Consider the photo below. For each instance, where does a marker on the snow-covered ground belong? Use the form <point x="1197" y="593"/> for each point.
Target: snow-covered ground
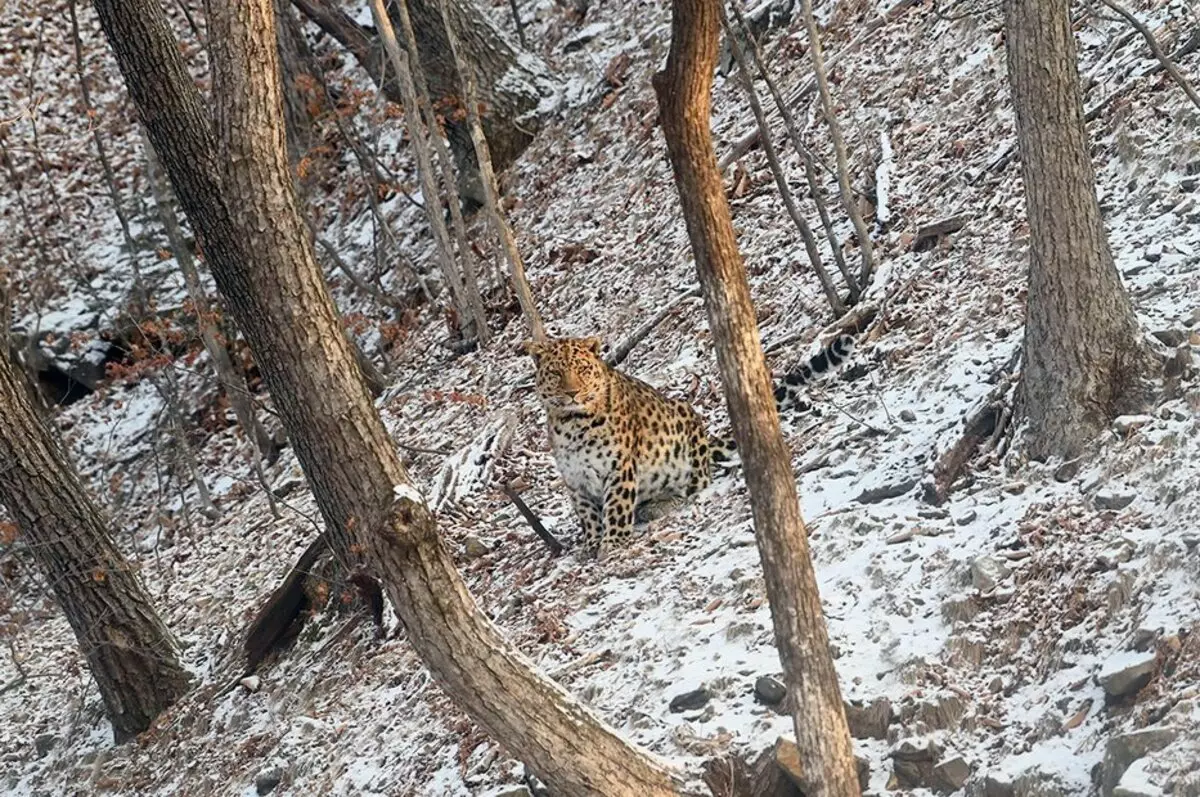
<point x="990" y="623"/>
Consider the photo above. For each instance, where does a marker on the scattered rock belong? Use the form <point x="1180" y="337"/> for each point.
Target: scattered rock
<point x="1066" y="471"/>
<point x="1126" y="673"/>
<point x="987" y="572"/>
<point x="1037" y="783"/>
<point x="996" y="786"/>
<point x="874" y="495"/>
<point x="932" y="514"/>
<point x="1124" y="424"/>
<point x="870" y="721"/>
<point x="1113" y="498"/>
<point x="266" y="781"/>
<point x="1153" y="253"/>
<point x="908" y="416"/>
<point x="585" y="35"/>
<point x="510" y="790"/>
<point x="475" y="547"/>
<point x="940" y="713"/>
<point x="769" y="690"/>
<point x="251" y="683"/>
<point x="1143" y="638"/>
<point x="287" y="487"/>
<point x="913" y="761"/>
<point x="43" y="743"/>
<point x="951" y="775"/>
<point x="690" y="701"/>
<point x="1123" y="750"/>
<point x="966" y="518"/>
<point x="787" y="758"/>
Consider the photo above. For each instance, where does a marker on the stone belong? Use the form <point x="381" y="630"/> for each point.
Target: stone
<point x="251" y="683"/>
<point x="43" y="743"/>
<point x="787" y="758"/>
<point x="1067" y="471"/>
<point x="690" y="701"/>
<point x="510" y="790"/>
<point x="966" y="518"/>
<point x="941" y="713"/>
<point x="266" y="781"/>
<point x="870" y="721"/>
<point x="874" y="495"/>
<point x="1124" y="749"/>
<point x="913" y="762"/>
<point x="996" y="786"/>
<point x="769" y="690"/>
<point x="951" y="775"/>
<point x="908" y="416"/>
<point x="1124" y="424"/>
<point x="475" y="547"/>
<point x="1114" y="499"/>
<point x="1126" y="673"/>
<point x="1038" y="783"/>
<point x="987" y="572"/>
<point x="1153" y="253"/>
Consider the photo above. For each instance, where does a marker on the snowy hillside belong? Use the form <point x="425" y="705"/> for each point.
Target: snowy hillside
<point x="1034" y="634"/>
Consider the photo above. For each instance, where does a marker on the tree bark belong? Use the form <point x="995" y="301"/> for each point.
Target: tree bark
<point x="294" y="58"/>
<point x="514" y="81"/>
<point x="236" y="190"/>
<point x="1084" y="357"/>
<point x="129" y="650"/>
<point x="684" y="99"/>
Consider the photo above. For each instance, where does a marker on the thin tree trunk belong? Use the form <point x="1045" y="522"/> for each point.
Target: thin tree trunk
<point x="294" y="58"/>
<point x="491" y="189"/>
<point x="130" y="652"/>
<point x="469" y="308"/>
<point x="1084" y="357"/>
<point x="684" y="98"/>
<point x="839" y="146"/>
<point x="242" y="203"/>
<point x="785" y="191"/>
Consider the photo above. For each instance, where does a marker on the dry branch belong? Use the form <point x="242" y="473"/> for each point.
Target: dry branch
<point x="1163" y="59"/>
<point x="535" y="523"/>
<point x="621" y="352"/>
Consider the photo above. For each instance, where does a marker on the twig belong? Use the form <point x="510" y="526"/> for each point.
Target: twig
<point x="785" y="191"/>
<point x="1152" y="42"/>
<point x="516" y="12"/>
<point x="553" y="544"/>
<point x="621" y="352"/>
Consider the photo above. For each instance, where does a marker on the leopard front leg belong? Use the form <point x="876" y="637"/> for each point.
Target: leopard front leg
<point x="620" y="500"/>
<point x="590" y="521"/>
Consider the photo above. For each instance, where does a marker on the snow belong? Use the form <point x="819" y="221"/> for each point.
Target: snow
<point x="344" y="713"/>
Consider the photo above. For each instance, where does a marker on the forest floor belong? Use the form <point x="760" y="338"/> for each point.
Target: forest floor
<point x="1031" y="635"/>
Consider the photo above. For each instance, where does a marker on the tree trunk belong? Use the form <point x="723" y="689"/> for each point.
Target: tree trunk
<point x="294" y="59"/>
<point x="242" y="204"/>
<point x="1084" y="357"/>
<point x="684" y="100"/>
<point x="513" y="81"/>
<point x="130" y="652"/>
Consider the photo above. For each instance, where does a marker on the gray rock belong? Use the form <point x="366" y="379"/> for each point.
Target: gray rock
<point x="690" y="701"/>
<point x="1124" y="424"/>
<point x="997" y="786"/>
<point x="874" y="495"/>
<point x="1037" y="783"/>
<point x="951" y="775"/>
<point x="1113" y="498"/>
<point x="43" y="743"/>
<point x="475" y="547"/>
<point x="1125" y="673"/>
<point x="1123" y="750"/>
<point x="966" y="518"/>
<point x="769" y="690"/>
<point x="913" y="761"/>
<point x="870" y="721"/>
<point x="987" y="572"/>
<point x="518" y="790"/>
<point x="908" y="416"/>
<point x="266" y="781"/>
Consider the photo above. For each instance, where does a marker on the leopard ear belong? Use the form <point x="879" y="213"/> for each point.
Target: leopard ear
<point x="595" y="344"/>
<point x="532" y="348"/>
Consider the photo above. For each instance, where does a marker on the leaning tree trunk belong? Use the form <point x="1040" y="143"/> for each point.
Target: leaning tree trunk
<point x="1084" y="357"/>
<point x="130" y="652"/>
<point x="242" y="204"/>
<point x="513" y="81"/>
<point x="298" y="84"/>
<point x="684" y="99"/>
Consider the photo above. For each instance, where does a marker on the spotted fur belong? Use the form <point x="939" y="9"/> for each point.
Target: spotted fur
<point x="627" y="452"/>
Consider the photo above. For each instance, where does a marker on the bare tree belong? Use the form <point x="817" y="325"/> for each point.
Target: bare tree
<point x="130" y="652"/>
<point x="1084" y="356"/>
<point x="684" y="97"/>
<point x="234" y="185"/>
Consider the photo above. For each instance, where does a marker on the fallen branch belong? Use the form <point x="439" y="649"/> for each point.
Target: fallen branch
<point x="282" y="616"/>
<point x="1163" y="59"/>
<point x="621" y="352"/>
<point x="556" y="547"/>
<point x="927" y="235"/>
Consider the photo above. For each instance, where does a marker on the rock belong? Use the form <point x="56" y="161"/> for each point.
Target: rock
<point x="43" y="743"/>
<point x="913" y="762"/>
<point x="1124" y="424"/>
<point x="1037" y="783"/>
<point x="1114" y="499"/>
<point x="266" y="781"/>
<point x="941" y="713"/>
<point x="584" y="35"/>
<point x="690" y="701"/>
<point x="932" y="514"/>
<point x="874" y="495"/>
<point x="787" y="758"/>
<point x="1066" y="471"/>
<point x="510" y="790"/>
<point x="769" y="690"/>
<point x="995" y="786"/>
<point x="966" y="518"/>
<point x="1153" y="253"/>
<point x="1126" y="673"/>
<point x="870" y="721"/>
<point x="251" y="683"/>
<point x="475" y="547"/>
<point x="862" y="768"/>
<point x="987" y="572"/>
<point x="908" y="416"/>
<point x="951" y="775"/>
<point x="1123" y="750"/>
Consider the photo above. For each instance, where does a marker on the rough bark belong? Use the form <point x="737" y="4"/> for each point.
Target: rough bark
<point x="294" y="58"/>
<point x="236" y="190"/>
<point x="514" y="81"/>
<point x="129" y="650"/>
<point x="684" y="99"/>
<point x="1084" y="357"/>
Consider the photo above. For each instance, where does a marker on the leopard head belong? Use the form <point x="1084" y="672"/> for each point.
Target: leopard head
<point x="570" y="372"/>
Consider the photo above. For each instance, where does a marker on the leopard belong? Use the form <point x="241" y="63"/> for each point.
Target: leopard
<point x="626" y="452"/>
